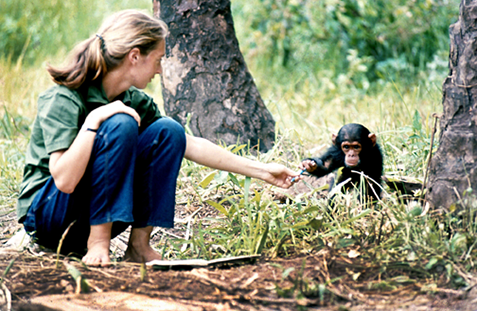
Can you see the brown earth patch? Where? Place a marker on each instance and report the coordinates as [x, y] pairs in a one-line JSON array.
[[328, 279], [259, 286]]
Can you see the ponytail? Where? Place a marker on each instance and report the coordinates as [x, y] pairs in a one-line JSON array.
[[86, 63], [94, 57]]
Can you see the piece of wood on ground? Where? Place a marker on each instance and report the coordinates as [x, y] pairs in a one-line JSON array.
[[201, 263], [113, 301]]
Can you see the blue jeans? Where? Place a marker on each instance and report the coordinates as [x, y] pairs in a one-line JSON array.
[[130, 180]]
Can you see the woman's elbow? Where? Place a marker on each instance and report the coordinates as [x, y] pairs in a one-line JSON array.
[[64, 185], [192, 145]]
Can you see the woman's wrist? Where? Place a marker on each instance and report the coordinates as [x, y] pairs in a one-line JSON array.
[[86, 128]]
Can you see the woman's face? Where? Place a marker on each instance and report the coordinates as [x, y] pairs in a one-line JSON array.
[[148, 66]]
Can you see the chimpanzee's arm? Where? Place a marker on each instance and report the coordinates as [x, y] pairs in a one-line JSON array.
[[327, 163], [320, 169]]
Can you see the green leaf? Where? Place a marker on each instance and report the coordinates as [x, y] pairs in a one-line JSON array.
[[263, 239], [416, 211], [431, 263], [222, 177], [416, 121], [7, 269], [81, 283], [218, 206], [343, 243], [246, 186], [234, 180], [361, 215], [401, 279], [238, 148], [300, 224], [206, 181], [316, 223], [287, 272], [310, 210]]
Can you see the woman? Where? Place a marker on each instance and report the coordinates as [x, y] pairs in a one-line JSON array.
[[102, 157]]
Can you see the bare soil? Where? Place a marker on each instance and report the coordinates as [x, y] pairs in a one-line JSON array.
[[39, 281], [247, 287]]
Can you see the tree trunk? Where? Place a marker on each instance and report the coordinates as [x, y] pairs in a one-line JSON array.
[[204, 74], [454, 166]]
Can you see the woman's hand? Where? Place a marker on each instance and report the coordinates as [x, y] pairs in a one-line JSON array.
[[101, 114], [68, 166], [204, 152], [280, 176]]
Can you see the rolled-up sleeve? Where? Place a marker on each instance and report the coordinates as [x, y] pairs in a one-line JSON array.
[[58, 117]]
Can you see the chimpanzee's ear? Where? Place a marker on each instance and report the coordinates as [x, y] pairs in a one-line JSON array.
[[373, 138], [333, 138]]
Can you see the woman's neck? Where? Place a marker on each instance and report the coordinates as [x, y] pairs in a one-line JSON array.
[[114, 83]]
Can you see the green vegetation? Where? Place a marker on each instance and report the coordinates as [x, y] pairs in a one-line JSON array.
[[367, 41], [31, 31], [318, 65]]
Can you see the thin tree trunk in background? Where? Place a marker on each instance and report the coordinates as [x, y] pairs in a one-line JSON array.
[[205, 74], [454, 166]]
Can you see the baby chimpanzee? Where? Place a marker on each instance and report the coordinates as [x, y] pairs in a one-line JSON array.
[[355, 149]]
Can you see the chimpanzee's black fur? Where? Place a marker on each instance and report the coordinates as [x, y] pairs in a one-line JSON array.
[[370, 159]]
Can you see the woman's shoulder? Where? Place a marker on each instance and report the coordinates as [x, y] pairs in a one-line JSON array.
[[135, 97], [134, 92], [60, 91], [59, 95]]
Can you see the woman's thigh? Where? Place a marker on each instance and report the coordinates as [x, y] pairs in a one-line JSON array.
[[161, 149]]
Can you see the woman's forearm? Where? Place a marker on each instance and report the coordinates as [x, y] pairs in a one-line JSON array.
[[204, 152], [68, 166]]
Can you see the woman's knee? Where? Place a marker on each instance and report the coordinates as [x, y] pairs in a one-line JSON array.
[[120, 120], [170, 130], [120, 126]]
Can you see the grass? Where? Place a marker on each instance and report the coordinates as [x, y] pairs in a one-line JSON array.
[[251, 221], [405, 240]]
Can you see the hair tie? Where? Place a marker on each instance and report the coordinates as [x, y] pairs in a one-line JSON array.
[[103, 45], [100, 37]]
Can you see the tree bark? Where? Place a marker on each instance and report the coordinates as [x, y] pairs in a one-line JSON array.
[[454, 167], [205, 74]]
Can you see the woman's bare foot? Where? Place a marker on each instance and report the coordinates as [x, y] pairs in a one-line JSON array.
[[139, 249], [98, 245]]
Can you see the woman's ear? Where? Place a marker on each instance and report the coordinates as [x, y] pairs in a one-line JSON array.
[[133, 55]]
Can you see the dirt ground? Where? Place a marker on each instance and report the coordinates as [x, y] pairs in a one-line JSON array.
[[38, 281], [35, 279]]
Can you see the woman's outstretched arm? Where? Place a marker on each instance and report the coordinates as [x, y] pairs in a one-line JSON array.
[[206, 153]]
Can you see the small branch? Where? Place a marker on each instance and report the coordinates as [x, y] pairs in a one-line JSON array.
[[424, 183]]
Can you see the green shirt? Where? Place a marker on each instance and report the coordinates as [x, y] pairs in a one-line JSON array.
[[61, 113]]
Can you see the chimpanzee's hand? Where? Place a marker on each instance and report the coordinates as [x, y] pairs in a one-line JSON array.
[[308, 165]]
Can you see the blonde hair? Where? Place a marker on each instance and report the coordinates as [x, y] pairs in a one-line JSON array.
[[119, 34]]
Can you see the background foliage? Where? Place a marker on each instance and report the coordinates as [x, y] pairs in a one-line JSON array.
[[366, 40], [34, 30]]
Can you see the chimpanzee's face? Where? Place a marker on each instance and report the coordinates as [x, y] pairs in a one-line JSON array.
[[354, 140], [351, 150]]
